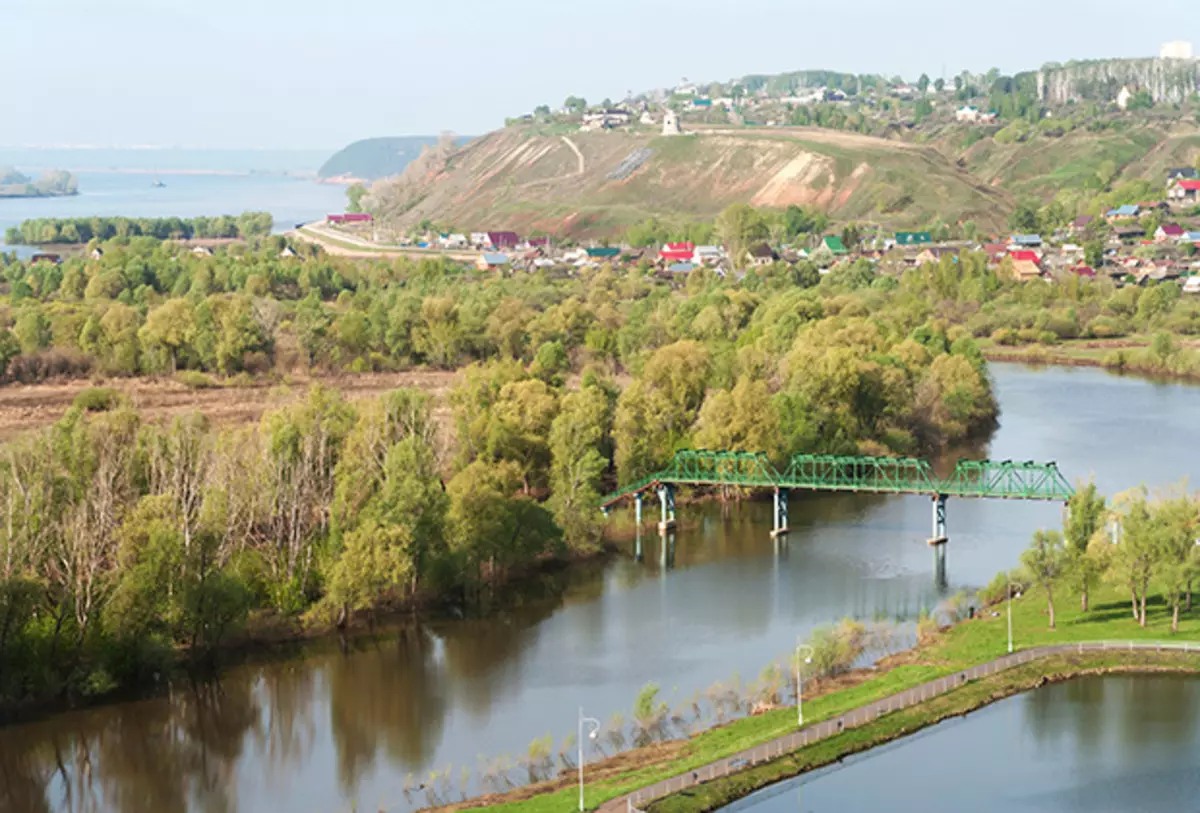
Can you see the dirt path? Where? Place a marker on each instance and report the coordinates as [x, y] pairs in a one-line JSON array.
[[347, 245], [29, 407], [578, 154]]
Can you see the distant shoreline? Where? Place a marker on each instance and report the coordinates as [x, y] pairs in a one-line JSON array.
[[305, 175], [28, 196]]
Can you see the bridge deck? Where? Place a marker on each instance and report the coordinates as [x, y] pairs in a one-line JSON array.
[[882, 475]]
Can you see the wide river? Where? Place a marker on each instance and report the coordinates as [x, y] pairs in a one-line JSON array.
[[334, 729], [1087, 746]]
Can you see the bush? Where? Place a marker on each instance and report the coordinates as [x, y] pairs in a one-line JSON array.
[[56, 363], [1116, 360], [196, 380], [97, 399], [1047, 337], [1107, 327], [1005, 337]]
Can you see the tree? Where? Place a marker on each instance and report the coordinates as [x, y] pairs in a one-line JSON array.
[[1045, 561], [939, 84], [922, 109], [577, 441], [1025, 217], [354, 195], [1132, 561], [739, 226], [575, 104], [1085, 516], [923, 83], [1093, 253], [1175, 546]]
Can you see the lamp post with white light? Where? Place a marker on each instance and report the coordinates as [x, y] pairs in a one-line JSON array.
[[800, 679], [1010, 598], [594, 727]]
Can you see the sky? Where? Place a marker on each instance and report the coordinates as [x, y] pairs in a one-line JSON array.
[[317, 75]]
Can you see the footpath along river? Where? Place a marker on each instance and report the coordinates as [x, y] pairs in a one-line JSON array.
[[333, 729], [1084, 746]]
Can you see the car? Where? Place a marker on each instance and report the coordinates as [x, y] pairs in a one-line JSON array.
[[738, 763]]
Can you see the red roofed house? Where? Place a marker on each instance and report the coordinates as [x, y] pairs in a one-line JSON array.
[[350, 217], [995, 251], [1168, 231], [1026, 255], [1183, 190], [678, 252], [1084, 271], [503, 239]]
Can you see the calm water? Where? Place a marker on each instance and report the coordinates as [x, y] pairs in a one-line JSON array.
[[1087, 746], [290, 198], [321, 733]]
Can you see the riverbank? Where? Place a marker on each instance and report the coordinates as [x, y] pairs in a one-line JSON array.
[[1180, 361], [964, 646], [974, 695]]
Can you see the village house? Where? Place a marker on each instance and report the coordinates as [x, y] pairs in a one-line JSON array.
[[995, 251], [1183, 191], [1127, 234], [1026, 255], [834, 246], [1168, 232], [677, 252], [1081, 223], [606, 119], [1120, 212], [934, 253], [1191, 285], [452, 240], [1192, 237], [97, 253], [503, 239], [1025, 241], [760, 255], [605, 254], [479, 239], [913, 238], [1026, 270], [1182, 173], [43, 257], [708, 255], [491, 262], [202, 251]]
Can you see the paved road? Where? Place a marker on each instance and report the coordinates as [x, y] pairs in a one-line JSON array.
[[866, 714]]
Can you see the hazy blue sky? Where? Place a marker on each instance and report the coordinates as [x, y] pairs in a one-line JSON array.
[[302, 73]]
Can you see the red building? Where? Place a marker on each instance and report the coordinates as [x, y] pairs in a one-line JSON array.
[[678, 252], [503, 239]]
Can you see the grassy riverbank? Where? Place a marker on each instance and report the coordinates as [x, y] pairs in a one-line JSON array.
[[1178, 358], [977, 694], [966, 644]]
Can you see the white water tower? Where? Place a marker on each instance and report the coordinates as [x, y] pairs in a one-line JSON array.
[[1179, 49]]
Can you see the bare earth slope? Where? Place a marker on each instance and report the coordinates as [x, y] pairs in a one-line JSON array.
[[591, 184]]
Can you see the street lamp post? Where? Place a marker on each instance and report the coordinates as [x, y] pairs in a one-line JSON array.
[[594, 726], [800, 680]]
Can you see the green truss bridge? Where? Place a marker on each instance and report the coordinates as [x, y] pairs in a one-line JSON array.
[[1004, 480]]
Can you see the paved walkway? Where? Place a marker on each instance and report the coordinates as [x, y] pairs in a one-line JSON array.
[[866, 714]]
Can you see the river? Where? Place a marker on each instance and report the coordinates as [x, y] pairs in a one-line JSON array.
[[326, 731], [1085, 746], [198, 183]]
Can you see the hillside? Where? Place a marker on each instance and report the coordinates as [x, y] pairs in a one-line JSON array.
[[374, 158], [596, 184]]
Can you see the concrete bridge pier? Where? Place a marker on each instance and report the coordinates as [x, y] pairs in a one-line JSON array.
[[666, 552], [637, 510], [939, 539], [780, 519], [638, 555], [666, 499]]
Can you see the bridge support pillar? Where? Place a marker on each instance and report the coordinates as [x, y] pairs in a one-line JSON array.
[[666, 499], [637, 510], [638, 556], [666, 552], [939, 539], [780, 519]]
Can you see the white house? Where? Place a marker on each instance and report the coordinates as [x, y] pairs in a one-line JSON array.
[[1124, 97], [967, 113], [480, 239], [1191, 285]]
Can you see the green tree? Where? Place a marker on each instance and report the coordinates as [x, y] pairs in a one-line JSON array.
[[1085, 517], [1175, 550], [577, 442], [923, 83], [354, 195], [1045, 562]]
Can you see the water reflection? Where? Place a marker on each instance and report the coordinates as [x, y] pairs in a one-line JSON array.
[[1101, 743], [337, 727]]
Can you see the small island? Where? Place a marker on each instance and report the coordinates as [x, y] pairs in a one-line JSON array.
[[52, 184]]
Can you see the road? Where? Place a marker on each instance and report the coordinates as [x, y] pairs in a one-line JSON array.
[[867, 714], [339, 244]]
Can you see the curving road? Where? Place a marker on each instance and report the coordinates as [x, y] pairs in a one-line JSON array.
[[869, 713]]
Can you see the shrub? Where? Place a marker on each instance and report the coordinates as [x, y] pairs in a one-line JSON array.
[[196, 380], [1006, 337], [97, 399], [56, 363], [1116, 360], [1107, 327], [1047, 337]]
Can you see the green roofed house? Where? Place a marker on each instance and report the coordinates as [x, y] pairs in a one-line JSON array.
[[834, 245], [913, 238], [603, 253]]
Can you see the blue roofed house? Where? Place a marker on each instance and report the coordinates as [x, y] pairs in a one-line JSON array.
[[1026, 240], [603, 253], [913, 238], [1128, 210], [490, 262]]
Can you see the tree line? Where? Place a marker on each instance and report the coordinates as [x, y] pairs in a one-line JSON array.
[[50, 230]]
